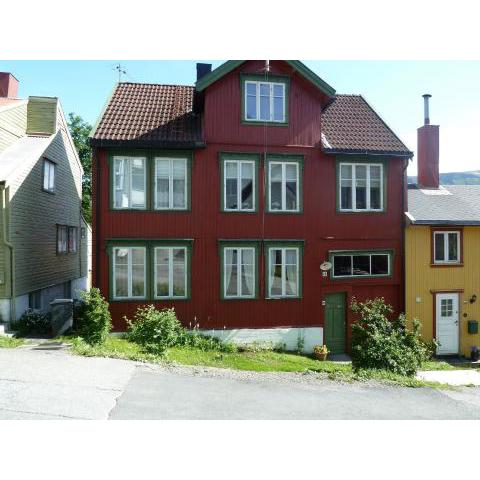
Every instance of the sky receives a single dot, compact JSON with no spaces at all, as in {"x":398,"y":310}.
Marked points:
{"x":393,"y":88}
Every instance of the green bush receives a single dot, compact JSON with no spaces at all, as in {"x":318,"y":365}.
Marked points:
{"x":92,"y":318}
{"x":155,"y":330}
{"x":32,"y":323}
{"x":383,"y":344}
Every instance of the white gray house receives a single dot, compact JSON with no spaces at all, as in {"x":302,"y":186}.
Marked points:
{"x":43,"y":236}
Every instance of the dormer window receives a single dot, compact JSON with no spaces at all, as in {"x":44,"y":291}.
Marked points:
{"x":265,"y":100}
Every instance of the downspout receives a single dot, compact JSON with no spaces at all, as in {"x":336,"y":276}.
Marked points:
{"x":3,"y":201}
{"x":404,"y":230}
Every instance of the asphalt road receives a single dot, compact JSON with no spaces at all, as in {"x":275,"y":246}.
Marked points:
{"x":50,"y":384}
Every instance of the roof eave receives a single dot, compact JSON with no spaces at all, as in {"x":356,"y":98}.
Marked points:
{"x":390,"y":153}
{"x":447,"y":222}
{"x":106,"y":143}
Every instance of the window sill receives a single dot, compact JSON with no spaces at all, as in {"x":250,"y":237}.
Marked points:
{"x":442,"y":265}
{"x":261,"y":123}
{"x":50,"y":192}
{"x":285,"y":212}
{"x":360,"y":211}
{"x":283,"y":298}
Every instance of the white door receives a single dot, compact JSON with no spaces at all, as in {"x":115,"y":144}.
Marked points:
{"x":447,"y":323}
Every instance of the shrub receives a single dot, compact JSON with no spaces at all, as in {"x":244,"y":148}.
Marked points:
{"x":155,"y":330}
{"x":383,"y":344}
{"x":194,"y":339}
{"x":92,"y":317}
{"x":32,"y":323}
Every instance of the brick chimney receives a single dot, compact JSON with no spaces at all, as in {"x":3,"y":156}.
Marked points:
{"x":428,"y":140}
{"x":8,"y":85}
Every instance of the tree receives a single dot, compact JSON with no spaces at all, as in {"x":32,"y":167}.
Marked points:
{"x":80,"y":130}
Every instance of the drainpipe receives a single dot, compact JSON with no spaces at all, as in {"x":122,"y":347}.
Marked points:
{"x":3,"y":205}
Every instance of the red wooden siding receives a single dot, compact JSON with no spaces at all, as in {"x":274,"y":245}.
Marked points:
{"x":321,"y":227}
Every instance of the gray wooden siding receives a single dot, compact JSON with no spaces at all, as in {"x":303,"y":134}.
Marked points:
{"x":13,"y":123}
{"x":34,"y":215}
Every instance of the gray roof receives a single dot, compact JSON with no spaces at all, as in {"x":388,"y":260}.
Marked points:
{"x":448,"y":205}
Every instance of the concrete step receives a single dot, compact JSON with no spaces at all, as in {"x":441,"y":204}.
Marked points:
{"x":5,"y":330}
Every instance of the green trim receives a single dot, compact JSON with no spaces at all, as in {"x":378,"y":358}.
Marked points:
{"x":389,"y":251}
{"x":269,"y":244}
{"x":150,"y":155}
{"x":280,"y":157}
{"x":149,"y":245}
{"x":224,"y":156}
{"x":360,"y":159}
{"x":261,"y":78}
{"x":256,"y":244}
{"x":298,"y":66}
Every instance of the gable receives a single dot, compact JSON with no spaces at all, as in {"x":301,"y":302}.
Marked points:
{"x":298,"y":66}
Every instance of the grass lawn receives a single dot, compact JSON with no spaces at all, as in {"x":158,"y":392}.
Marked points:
{"x":10,"y":342}
{"x":259,"y":361}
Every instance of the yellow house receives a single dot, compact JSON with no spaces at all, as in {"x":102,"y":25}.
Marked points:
{"x":442,"y":252}
{"x":442,"y":265}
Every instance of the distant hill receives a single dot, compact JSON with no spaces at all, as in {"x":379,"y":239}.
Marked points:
{"x":456,"y":178}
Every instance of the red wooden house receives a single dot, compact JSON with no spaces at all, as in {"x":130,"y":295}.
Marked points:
{"x":224,"y":198}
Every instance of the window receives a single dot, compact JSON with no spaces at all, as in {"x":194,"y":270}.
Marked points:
{"x":446,"y":307}
{"x":129,"y":272}
{"x":446,"y":247}
{"x":361,"y":187}
{"x":62,"y":234}
{"x":283,"y":272}
{"x":239,"y":183}
{"x":170,"y":272}
{"x":48,"y":176}
{"x":170,"y":183}
{"x":35,"y":300}
{"x":72,"y":239}
{"x":358,"y":264}
{"x":284,"y":186}
{"x":265,"y":101}
{"x":129,"y":182}
{"x":239,"y":271}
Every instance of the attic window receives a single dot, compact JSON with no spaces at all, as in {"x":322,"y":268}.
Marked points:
{"x":265,"y":100}
{"x":48,"y":176}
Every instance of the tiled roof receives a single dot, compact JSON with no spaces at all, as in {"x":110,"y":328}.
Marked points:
{"x":448,"y":205}
{"x":350,"y":124}
{"x":162,"y":115}
{"x":149,"y":114}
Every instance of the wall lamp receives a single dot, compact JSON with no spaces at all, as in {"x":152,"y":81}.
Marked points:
{"x":473,"y":298}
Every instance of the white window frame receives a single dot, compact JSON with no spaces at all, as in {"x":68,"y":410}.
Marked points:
{"x":361,"y":254}
{"x":171,"y":161}
{"x":239,"y":270}
{"x":129,"y":272}
{"x":257,"y":99}
{"x":170,"y":249}
{"x":284,"y":276}
{"x":48,"y":178}
{"x":353,"y":187}
{"x":75,"y":238}
{"x":284,"y":186}
{"x":145,"y":167}
{"x":239,"y":185}
{"x":445,"y":234}
{"x":62,"y":243}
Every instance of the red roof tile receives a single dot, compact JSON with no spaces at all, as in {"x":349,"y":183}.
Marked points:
{"x":162,"y":115}
{"x":149,"y":114}
{"x":349,"y":123}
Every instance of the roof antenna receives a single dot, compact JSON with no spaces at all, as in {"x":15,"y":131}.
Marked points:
{"x":267,"y":66}
{"x":118,"y":67}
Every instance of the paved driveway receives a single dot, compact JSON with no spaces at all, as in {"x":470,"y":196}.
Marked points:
{"x":55,"y":384}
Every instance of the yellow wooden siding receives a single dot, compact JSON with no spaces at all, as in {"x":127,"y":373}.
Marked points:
{"x":422,"y":279}
{"x":13,"y":123}
{"x":41,"y":115}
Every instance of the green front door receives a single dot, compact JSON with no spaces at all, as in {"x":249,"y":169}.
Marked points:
{"x":335,"y":322}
